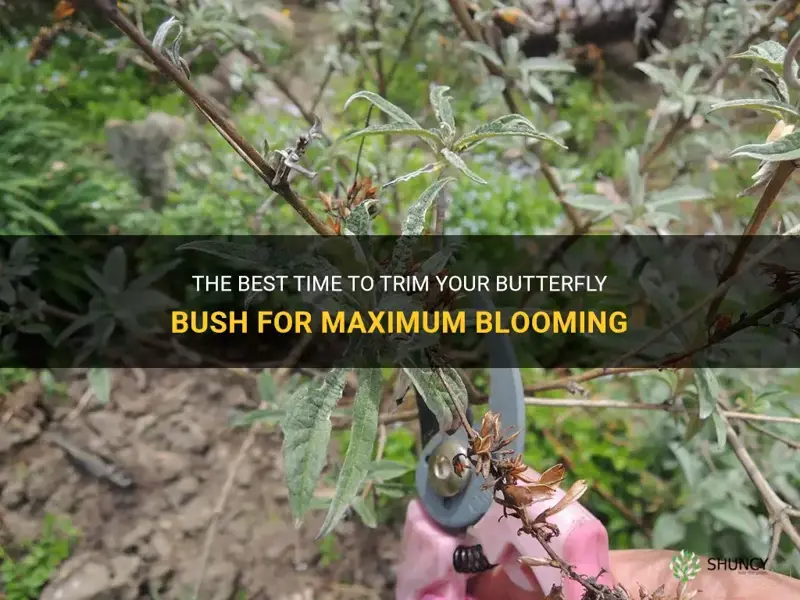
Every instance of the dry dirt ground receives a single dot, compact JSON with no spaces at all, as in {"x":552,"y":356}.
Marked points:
{"x":172,"y":435}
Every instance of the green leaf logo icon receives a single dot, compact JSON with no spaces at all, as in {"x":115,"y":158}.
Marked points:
{"x":685,"y":566}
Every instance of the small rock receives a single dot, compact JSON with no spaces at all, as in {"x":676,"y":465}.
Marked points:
{"x":161,"y":544}
{"x":136,"y":536}
{"x":63,"y":501}
{"x":184,"y":490}
{"x":20,"y":527}
{"x":109,"y":425}
{"x":195,"y":515}
{"x":186,"y":436}
{"x":124,"y":567}
{"x":13,"y":495}
{"x":133,"y":406}
{"x":90,"y":582}
{"x":244,"y":475}
{"x":171,"y":465}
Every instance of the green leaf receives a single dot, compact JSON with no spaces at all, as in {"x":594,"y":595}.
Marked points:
{"x":435,"y":386}
{"x":365,"y":509}
{"x":115,"y":268}
{"x":668,"y":530}
{"x":485,"y":52}
{"x":667,"y":79}
{"x":395,"y":112}
{"x":708,"y":391}
{"x":366,"y":408}
{"x":768,"y":53}
{"x":429,"y":168}
{"x":262,"y":416}
{"x":636,"y":188}
{"x":430,"y":137}
{"x":386,"y":470}
{"x":443,"y":109}
{"x":785,"y":148}
{"x":359,"y":220}
{"x":306,"y":433}
{"x":674,"y":195}
{"x":267,"y":388}
{"x":509,"y":125}
{"x":776,"y":108}
{"x":737,"y":517}
{"x":455,"y":160}
{"x":594,"y":202}
{"x":721,"y":430}
{"x":100,"y":384}
{"x":144,"y":281}
{"x":245,"y":253}
{"x":415,"y":220}
{"x":414,"y":224}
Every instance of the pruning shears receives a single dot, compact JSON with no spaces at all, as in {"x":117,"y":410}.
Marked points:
{"x":454,"y":529}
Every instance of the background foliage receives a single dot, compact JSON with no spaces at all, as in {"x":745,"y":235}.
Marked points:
{"x":657,"y":479}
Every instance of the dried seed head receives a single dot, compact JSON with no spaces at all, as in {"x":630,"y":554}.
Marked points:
{"x":556,"y":593}
{"x":533,"y":561}
{"x":553,"y":476}
{"x":577,"y":490}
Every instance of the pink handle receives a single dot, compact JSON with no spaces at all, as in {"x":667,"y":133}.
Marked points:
{"x":426,"y":570}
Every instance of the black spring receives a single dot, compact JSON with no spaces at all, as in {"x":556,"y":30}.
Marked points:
{"x":471,"y":559}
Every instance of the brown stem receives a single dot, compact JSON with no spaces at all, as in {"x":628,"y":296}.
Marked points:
{"x":779,"y":179}
{"x":720,"y":290}
{"x":211,"y":112}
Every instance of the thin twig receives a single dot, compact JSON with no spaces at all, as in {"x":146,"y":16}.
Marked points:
{"x":779,"y":511}
{"x":776,"y":183}
{"x":720,"y":290}
{"x":671,"y":408}
{"x":207,"y":107}
{"x":763,"y":430}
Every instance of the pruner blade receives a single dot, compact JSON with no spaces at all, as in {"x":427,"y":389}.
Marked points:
{"x":455,"y":501}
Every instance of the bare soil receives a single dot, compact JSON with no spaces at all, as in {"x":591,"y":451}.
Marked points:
{"x":170,"y":431}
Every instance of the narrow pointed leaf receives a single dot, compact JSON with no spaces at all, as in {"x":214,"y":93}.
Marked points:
{"x":429,"y":168}
{"x":785,"y":148}
{"x":485,"y":52}
{"x":394,"y":128}
{"x":415,"y":224}
{"x":358,"y":458}
{"x":768,"y":53}
{"x":430,"y":384}
{"x":306,"y":433}
{"x":779,"y":109}
{"x":707,"y":391}
{"x":100,"y":383}
{"x":676,"y":194}
{"x":455,"y":160}
{"x":365,"y":509}
{"x":442,"y":108}
{"x":415,"y":220}
{"x":507,"y":126}
{"x":382,"y":104}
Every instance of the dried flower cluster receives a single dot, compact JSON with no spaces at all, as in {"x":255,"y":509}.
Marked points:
{"x":516,"y":491}
{"x":339,"y":209}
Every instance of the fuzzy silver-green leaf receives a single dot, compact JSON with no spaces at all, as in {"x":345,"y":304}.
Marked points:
{"x":774,"y":107}
{"x":358,"y":458}
{"x":395,"y":112}
{"x":440,"y":102}
{"x":429,"y":137}
{"x":306,"y":433}
{"x":507,"y":126}
{"x":785,"y":148}
{"x":455,"y":160}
